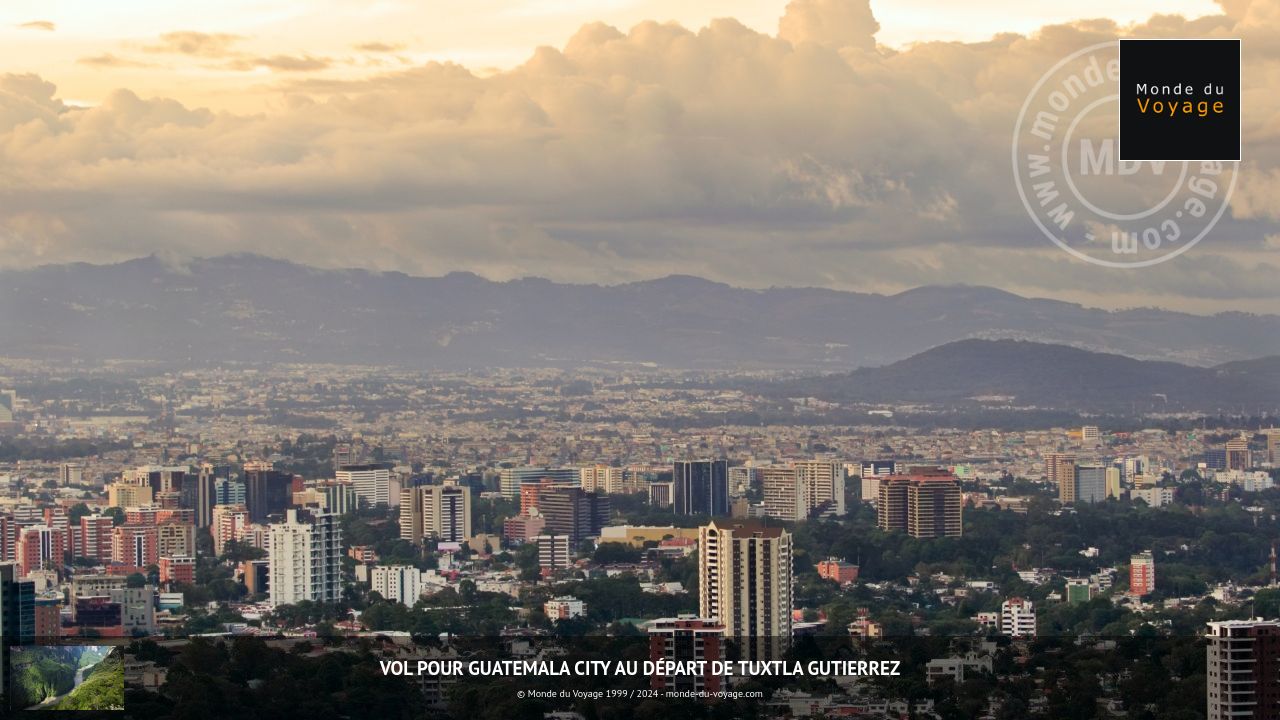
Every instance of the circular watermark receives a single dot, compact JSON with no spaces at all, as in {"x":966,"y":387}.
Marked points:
{"x":1082,"y":196}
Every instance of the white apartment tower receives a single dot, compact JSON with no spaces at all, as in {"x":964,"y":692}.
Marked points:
{"x":305,"y":559}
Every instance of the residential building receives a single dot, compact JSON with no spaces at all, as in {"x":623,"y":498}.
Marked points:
{"x":686,"y":639}
{"x":745,"y":584}
{"x":1242,"y":670}
{"x":1060,"y":472}
{"x":398,"y":583}
{"x":554,"y":553}
{"x":442,"y":512}
{"x":1018,"y":617}
{"x":925,"y":504}
{"x":305,"y":556}
{"x":565,"y":607}
{"x":1142,"y":574}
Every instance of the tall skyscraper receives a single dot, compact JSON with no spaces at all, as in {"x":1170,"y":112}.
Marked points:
{"x":17,"y":617}
{"x":1060,"y":472}
{"x":1091,"y":483}
{"x":1242,"y":672}
{"x":305,"y":559}
{"x":926,"y":504}
{"x":371,"y":481}
{"x":701,"y":487}
{"x":1142,"y":574}
{"x":267,"y":491}
{"x":206,"y":495}
{"x":744,"y":584}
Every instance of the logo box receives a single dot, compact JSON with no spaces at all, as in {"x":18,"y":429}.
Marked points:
{"x":1179,"y":100}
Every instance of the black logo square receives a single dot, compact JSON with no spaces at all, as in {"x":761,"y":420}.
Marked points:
{"x":1179,"y":99}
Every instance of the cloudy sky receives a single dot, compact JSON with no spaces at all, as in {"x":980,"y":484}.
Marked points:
{"x":828,"y":143}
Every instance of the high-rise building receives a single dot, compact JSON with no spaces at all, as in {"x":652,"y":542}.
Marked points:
{"x":206,"y":495}
{"x":554,"y":553}
{"x":17,"y":617}
{"x":1142,"y":574}
{"x":135,"y":546}
{"x":510,"y":480}
{"x":442,"y":512}
{"x":230,"y":522}
{"x":662,"y":494}
{"x":160,"y":478}
{"x":305,"y":557}
{"x":1091,"y":483}
{"x":267,"y":491}
{"x":925,"y":504}
{"x":371,"y":482}
{"x":1113,"y":482}
{"x":744,"y":584}
{"x":1273,"y":445}
{"x":573,"y":512}
{"x":70,"y":474}
{"x":784,"y":493}
{"x":1242,"y":672}
{"x":1060,"y":472}
{"x":178,"y":569}
{"x":398,"y":583}
{"x":601,"y":478}
{"x":802,"y":490}
{"x":701,"y":487}
{"x":1018,"y":618}
{"x":95,"y":537}
{"x":123,"y":494}
{"x":329,"y":496}
{"x":686,"y":639}
{"x":742,"y":479}
{"x":39,"y":546}
{"x":1090,"y":435}
{"x":1238,"y":454}
{"x":175,"y":539}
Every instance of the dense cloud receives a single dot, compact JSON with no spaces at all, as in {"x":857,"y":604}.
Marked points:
{"x":811,"y":157}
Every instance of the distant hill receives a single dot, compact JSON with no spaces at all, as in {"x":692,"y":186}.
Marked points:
{"x":251,"y":308}
{"x":977,"y":372}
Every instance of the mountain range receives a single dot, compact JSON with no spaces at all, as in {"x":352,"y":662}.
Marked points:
{"x":253,"y":308}
{"x":992,"y":373}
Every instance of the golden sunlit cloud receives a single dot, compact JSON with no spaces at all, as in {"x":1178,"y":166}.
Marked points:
{"x":186,"y":42}
{"x":804,"y":153}
{"x":44,"y":25}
